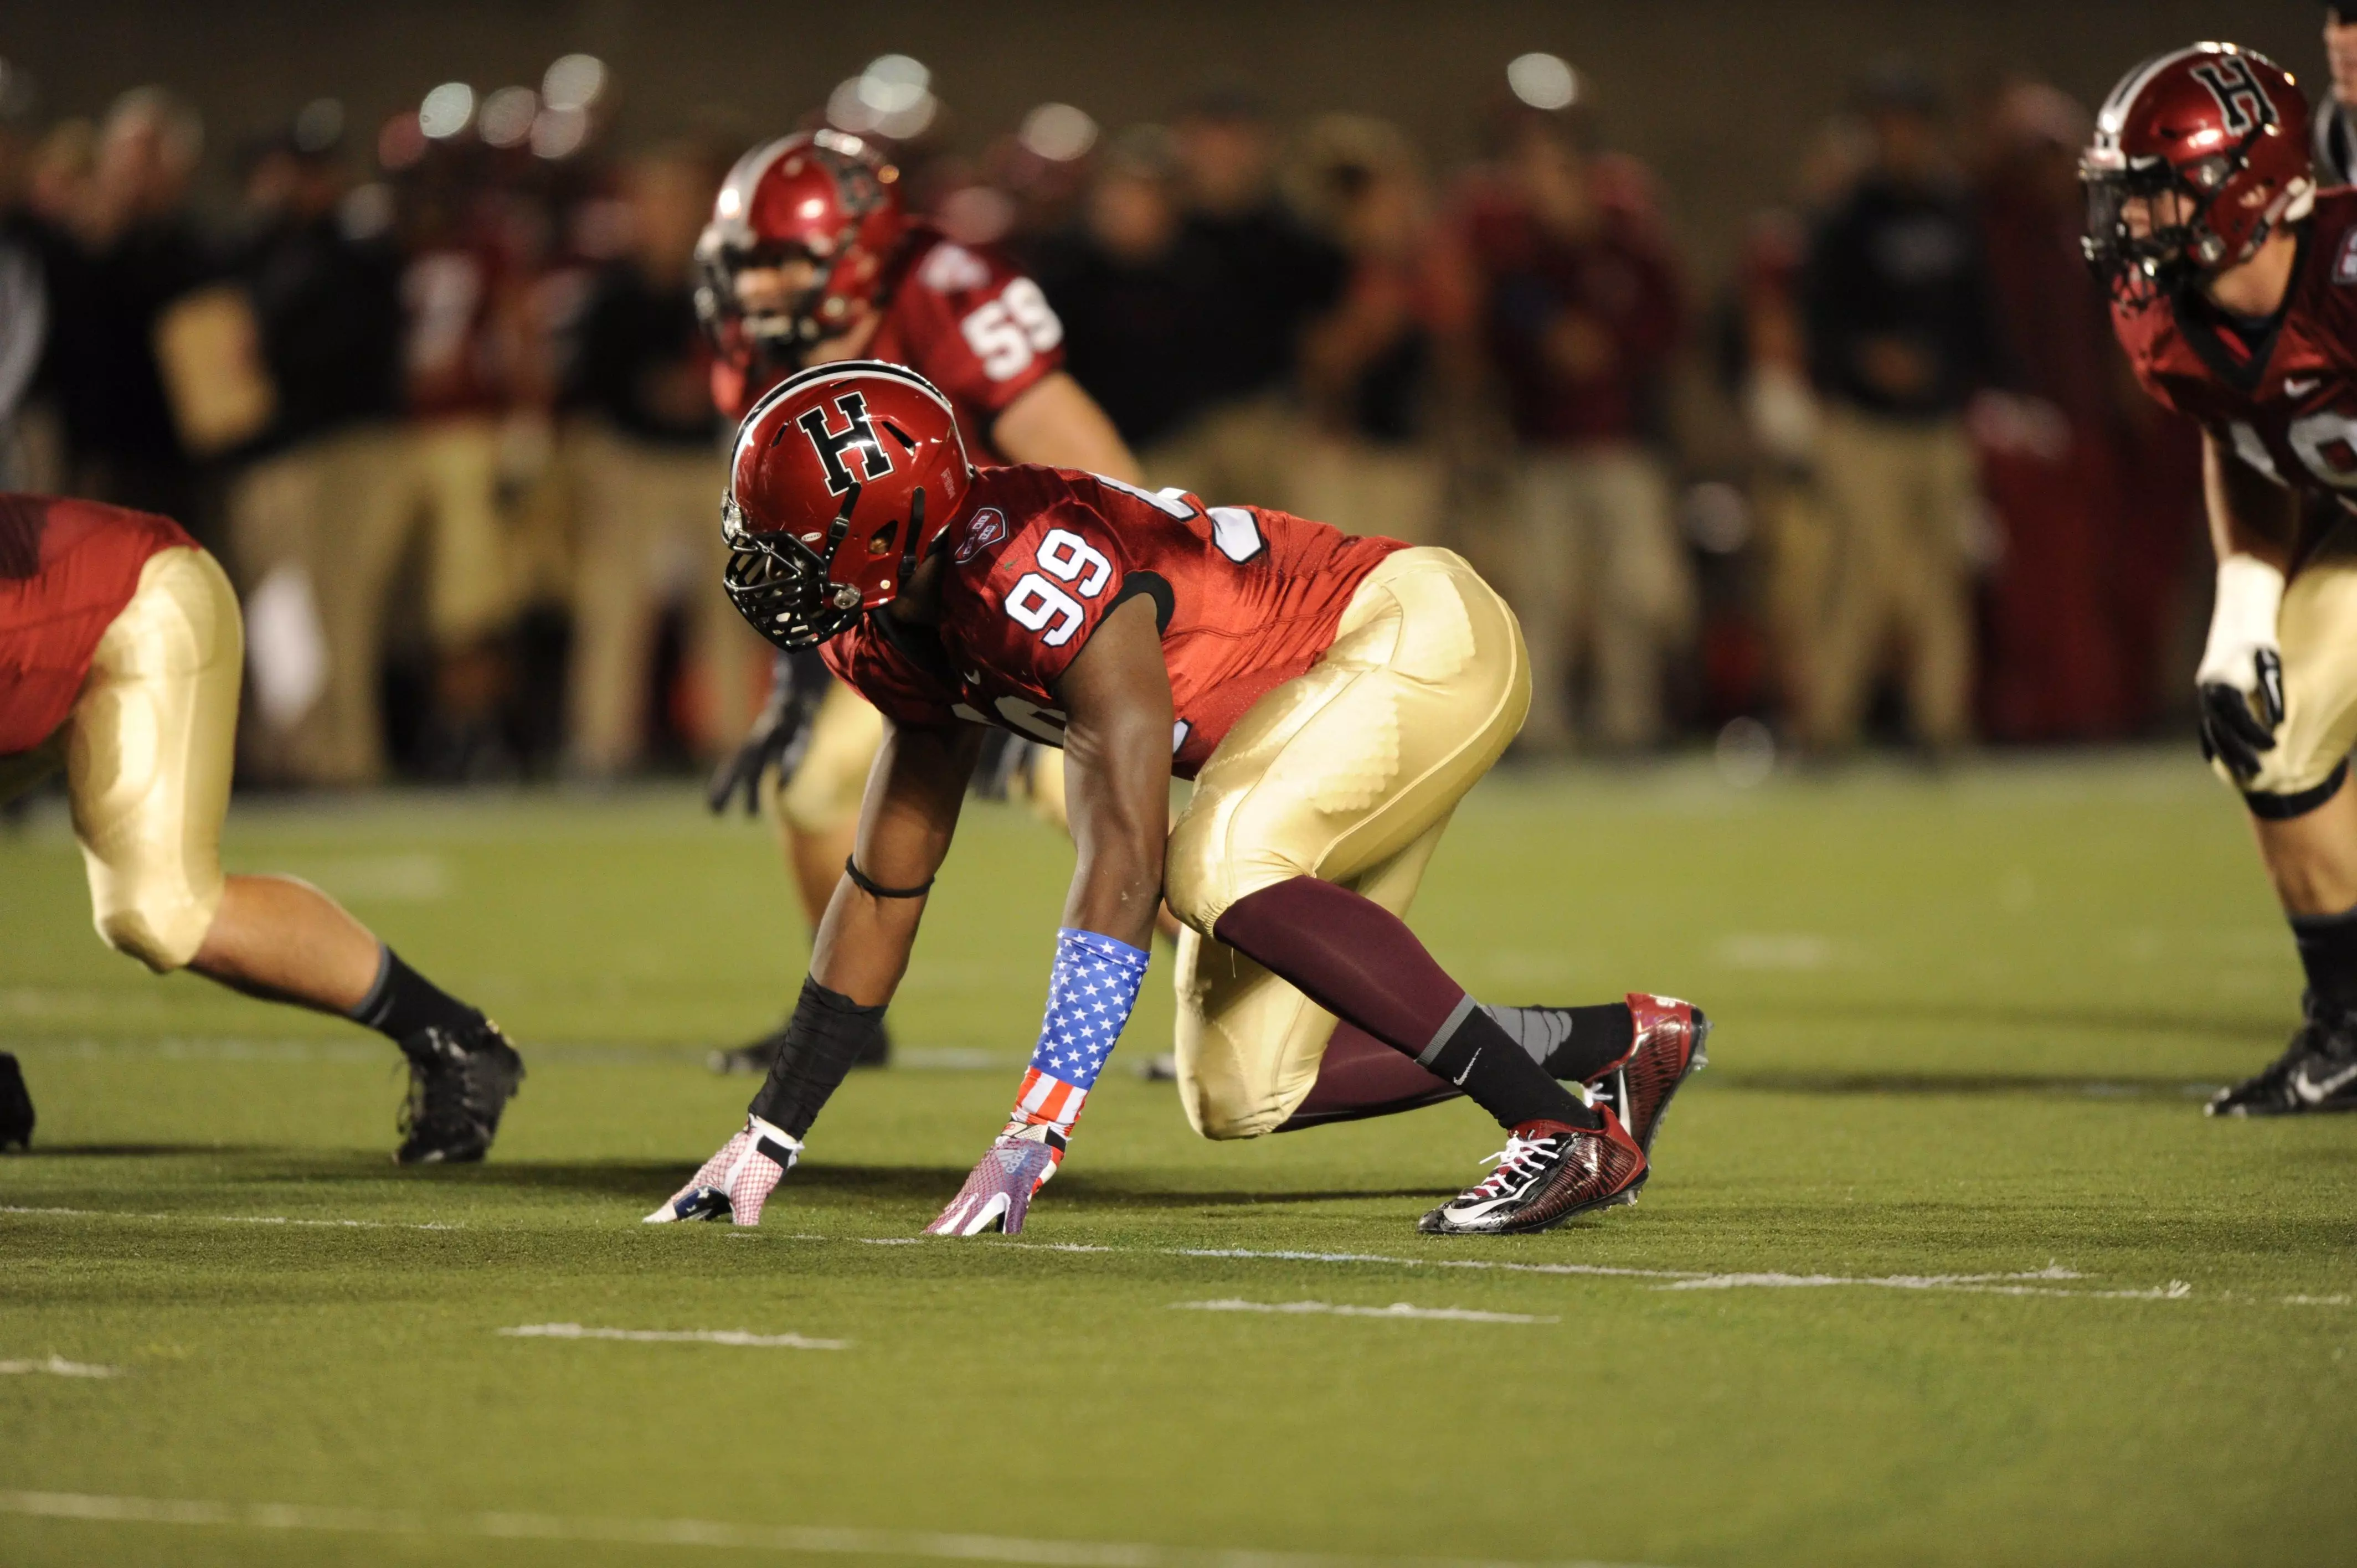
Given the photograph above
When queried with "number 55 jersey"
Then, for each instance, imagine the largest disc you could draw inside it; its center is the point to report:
(1245, 600)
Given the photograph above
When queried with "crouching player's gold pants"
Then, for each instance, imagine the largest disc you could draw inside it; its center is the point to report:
(2317, 627)
(1349, 774)
(147, 752)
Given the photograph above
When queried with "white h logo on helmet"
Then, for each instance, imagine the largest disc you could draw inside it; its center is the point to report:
(2245, 104)
(830, 446)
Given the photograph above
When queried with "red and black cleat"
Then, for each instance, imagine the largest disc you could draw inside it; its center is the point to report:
(1547, 1173)
(1668, 1049)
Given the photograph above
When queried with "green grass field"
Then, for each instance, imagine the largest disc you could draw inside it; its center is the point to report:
(1939, 1263)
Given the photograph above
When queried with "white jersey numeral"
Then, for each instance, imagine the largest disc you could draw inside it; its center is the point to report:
(1076, 560)
(1036, 602)
(2327, 442)
(1009, 332)
(1171, 502)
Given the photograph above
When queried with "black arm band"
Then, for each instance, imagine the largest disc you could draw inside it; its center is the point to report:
(827, 1035)
(877, 889)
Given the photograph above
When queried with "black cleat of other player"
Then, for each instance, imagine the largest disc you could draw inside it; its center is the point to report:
(755, 1056)
(15, 1105)
(459, 1084)
(2316, 1072)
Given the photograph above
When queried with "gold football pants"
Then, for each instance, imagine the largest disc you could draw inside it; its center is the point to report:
(2317, 628)
(147, 752)
(1347, 773)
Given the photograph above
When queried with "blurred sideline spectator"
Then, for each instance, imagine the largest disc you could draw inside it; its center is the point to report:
(123, 247)
(318, 516)
(648, 452)
(2335, 112)
(1580, 311)
(1370, 367)
(1133, 288)
(1269, 278)
(2052, 664)
(24, 296)
(1900, 335)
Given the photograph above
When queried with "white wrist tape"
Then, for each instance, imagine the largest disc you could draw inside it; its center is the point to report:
(2250, 596)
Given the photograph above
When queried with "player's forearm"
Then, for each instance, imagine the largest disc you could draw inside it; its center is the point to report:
(864, 944)
(2250, 515)
(1059, 423)
(1119, 799)
(906, 824)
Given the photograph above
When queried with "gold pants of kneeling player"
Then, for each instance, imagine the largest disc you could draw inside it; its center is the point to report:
(147, 753)
(1347, 773)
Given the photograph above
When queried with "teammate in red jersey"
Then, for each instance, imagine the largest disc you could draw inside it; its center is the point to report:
(1332, 697)
(2234, 293)
(809, 258)
(121, 648)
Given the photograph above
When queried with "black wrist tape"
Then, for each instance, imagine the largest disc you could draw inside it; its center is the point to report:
(824, 1036)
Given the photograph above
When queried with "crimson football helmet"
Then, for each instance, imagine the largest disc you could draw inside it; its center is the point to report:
(842, 479)
(821, 196)
(2224, 129)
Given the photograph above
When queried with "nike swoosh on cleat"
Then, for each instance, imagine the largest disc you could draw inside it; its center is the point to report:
(2301, 386)
(2316, 1093)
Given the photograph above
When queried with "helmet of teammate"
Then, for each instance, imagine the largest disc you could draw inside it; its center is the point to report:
(842, 479)
(2223, 130)
(822, 198)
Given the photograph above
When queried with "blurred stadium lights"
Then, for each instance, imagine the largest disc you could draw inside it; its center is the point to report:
(1057, 133)
(508, 115)
(559, 133)
(319, 126)
(892, 98)
(1718, 516)
(447, 111)
(400, 142)
(1543, 81)
(573, 83)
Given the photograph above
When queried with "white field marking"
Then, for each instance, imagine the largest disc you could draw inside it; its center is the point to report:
(736, 1337)
(57, 1366)
(1680, 1279)
(788, 1539)
(1344, 1309)
(1780, 950)
(2316, 1301)
(231, 1218)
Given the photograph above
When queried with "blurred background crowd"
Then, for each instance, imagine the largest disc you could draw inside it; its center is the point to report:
(432, 386)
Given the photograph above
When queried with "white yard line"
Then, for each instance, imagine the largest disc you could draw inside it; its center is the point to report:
(229, 1218)
(1344, 1309)
(789, 1538)
(736, 1337)
(59, 1366)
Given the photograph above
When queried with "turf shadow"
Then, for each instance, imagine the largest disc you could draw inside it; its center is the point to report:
(2110, 1086)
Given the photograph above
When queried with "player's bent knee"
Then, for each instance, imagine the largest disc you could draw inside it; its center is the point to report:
(161, 934)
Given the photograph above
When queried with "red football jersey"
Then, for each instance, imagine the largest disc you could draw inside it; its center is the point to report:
(965, 318)
(67, 568)
(2288, 404)
(1246, 598)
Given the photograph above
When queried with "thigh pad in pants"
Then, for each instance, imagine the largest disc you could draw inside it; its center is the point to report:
(1347, 773)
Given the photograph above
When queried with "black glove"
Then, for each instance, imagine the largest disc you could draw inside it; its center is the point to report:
(2237, 725)
(779, 737)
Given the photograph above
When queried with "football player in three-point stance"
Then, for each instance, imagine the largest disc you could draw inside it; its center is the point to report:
(120, 650)
(1332, 697)
(2234, 287)
(811, 257)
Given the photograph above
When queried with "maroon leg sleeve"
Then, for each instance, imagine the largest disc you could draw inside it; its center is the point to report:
(1350, 955)
(1362, 1077)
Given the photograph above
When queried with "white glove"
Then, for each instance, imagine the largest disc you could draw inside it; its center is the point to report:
(734, 1183)
(2241, 678)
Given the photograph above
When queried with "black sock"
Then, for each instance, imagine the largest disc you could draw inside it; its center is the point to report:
(827, 1035)
(402, 1002)
(2327, 952)
(1572, 1043)
(1498, 1075)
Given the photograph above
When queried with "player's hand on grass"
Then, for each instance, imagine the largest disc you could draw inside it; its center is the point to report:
(734, 1183)
(779, 737)
(2241, 677)
(997, 1194)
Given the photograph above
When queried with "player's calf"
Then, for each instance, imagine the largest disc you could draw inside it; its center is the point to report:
(15, 1105)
